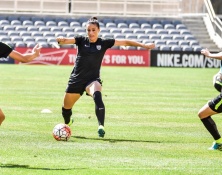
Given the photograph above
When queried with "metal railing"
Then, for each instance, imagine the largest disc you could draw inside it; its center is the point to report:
(126, 8)
(215, 20)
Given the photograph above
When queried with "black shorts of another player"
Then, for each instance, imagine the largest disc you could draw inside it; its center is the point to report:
(216, 104)
(80, 87)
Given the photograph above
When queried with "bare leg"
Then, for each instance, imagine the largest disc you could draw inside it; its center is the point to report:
(2, 117)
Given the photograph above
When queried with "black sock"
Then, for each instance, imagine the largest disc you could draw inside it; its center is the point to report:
(99, 107)
(211, 127)
(66, 113)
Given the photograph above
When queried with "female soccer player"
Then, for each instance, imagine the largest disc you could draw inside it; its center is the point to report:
(86, 72)
(214, 106)
(6, 51)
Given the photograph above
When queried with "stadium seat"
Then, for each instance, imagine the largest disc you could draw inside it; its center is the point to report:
(139, 31)
(57, 34)
(3, 33)
(173, 32)
(59, 19)
(157, 26)
(30, 44)
(119, 36)
(164, 48)
(193, 43)
(186, 48)
(56, 29)
(82, 19)
(15, 39)
(39, 23)
(4, 22)
(183, 43)
(36, 18)
(142, 21)
(48, 34)
(67, 29)
(20, 28)
(197, 48)
(154, 37)
(178, 37)
(150, 31)
(159, 42)
(176, 48)
(115, 48)
(175, 22)
(119, 20)
(145, 26)
(50, 23)
(166, 37)
(24, 33)
(16, 23)
(142, 36)
(180, 26)
(131, 36)
(154, 21)
(32, 28)
(111, 25)
(71, 19)
(107, 35)
(37, 34)
(43, 44)
(107, 20)
(134, 26)
(172, 42)
(161, 31)
(44, 28)
(165, 22)
(9, 28)
(13, 33)
(185, 32)
(122, 25)
(63, 24)
(51, 40)
(20, 44)
(25, 18)
(74, 24)
(12, 17)
(169, 26)
(104, 30)
(27, 23)
(28, 39)
(127, 30)
(189, 37)
(115, 30)
(79, 30)
(70, 34)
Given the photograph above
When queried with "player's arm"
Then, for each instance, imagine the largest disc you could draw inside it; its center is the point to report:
(207, 53)
(27, 57)
(62, 40)
(133, 43)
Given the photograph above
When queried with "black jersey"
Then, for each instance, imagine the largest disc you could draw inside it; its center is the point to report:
(5, 50)
(89, 58)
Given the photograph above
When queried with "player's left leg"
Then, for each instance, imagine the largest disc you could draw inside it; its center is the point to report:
(205, 114)
(2, 116)
(94, 90)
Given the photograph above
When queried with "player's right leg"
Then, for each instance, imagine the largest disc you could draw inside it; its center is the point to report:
(2, 116)
(205, 113)
(69, 100)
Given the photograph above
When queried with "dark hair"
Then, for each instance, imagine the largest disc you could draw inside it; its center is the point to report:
(93, 20)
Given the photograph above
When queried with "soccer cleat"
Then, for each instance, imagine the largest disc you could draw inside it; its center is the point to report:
(70, 122)
(101, 131)
(216, 146)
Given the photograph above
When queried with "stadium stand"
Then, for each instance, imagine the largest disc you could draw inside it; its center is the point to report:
(48, 22)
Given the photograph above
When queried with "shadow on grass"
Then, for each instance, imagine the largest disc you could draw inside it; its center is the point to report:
(115, 140)
(33, 168)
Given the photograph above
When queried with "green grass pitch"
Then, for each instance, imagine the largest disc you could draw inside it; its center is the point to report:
(151, 123)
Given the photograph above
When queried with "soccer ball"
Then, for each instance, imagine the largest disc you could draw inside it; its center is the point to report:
(61, 132)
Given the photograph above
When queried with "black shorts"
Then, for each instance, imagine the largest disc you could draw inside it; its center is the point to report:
(216, 104)
(80, 87)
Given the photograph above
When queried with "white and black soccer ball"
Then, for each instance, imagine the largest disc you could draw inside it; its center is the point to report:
(61, 132)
